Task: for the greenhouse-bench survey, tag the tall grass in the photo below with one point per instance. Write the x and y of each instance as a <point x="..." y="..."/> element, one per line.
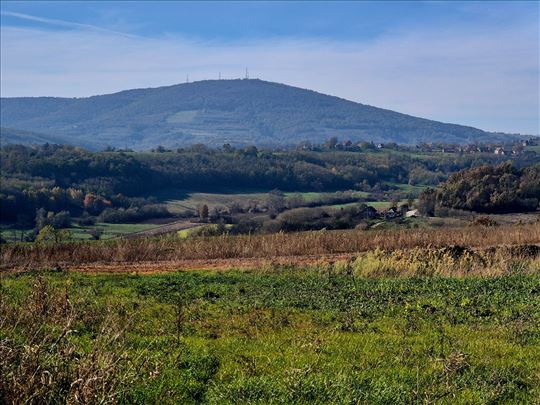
<point x="40" y="362"/>
<point x="454" y="261"/>
<point x="163" y="249"/>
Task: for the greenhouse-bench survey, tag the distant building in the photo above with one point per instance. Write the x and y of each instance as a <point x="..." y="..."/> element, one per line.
<point x="391" y="213"/>
<point x="499" y="151"/>
<point x="412" y="214"/>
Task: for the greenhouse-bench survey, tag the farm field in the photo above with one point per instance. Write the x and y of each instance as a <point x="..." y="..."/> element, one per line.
<point x="413" y="315"/>
<point x="79" y="233"/>
<point x="412" y="189"/>
<point x="320" y="334"/>
<point x="181" y="200"/>
<point x="109" y="230"/>
<point x="180" y="251"/>
<point x="378" y="205"/>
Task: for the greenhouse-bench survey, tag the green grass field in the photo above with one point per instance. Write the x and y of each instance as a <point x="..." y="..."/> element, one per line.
<point x="408" y="188"/>
<point x="311" y="196"/>
<point x="380" y="205"/>
<point x="109" y="230"/>
<point x="82" y="232"/>
<point x="181" y="200"/>
<point x="277" y="335"/>
<point x="535" y="148"/>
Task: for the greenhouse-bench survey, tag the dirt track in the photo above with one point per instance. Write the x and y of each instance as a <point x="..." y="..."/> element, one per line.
<point x="164" y="229"/>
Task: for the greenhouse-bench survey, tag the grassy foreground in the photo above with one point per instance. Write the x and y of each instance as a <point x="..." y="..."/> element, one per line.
<point x="275" y="335"/>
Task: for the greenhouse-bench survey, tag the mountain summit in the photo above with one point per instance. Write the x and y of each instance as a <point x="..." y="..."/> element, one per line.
<point x="215" y="112"/>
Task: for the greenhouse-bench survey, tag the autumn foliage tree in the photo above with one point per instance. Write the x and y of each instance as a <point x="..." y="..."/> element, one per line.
<point x="489" y="189"/>
<point x="95" y="204"/>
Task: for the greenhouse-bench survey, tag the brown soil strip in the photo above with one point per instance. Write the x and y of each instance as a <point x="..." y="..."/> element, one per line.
<point x="194" y="264"/>
<point x="163" y="229"/>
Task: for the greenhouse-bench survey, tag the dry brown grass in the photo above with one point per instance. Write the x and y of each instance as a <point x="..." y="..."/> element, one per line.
<point x="452" y="261"/>
<point x="320" y="243"/>
<point x="40" y="364"/>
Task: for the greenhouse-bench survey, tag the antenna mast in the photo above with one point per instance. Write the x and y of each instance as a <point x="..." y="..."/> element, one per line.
<point x="247" y="74"/>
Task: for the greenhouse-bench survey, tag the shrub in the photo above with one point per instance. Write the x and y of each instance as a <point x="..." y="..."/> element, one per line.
<point x="49" y="234"/>
<point x="484" y="221"/>
<point x="61" y="219"/>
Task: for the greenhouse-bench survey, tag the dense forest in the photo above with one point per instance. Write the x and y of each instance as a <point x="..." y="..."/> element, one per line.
<point x="67" y="179"/>
<point x="487" y="189"/>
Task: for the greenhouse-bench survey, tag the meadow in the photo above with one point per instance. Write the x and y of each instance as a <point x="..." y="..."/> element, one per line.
<point x="279" y="334"/>
<point x="178" y="201"/>
<point x="81" y="233"/>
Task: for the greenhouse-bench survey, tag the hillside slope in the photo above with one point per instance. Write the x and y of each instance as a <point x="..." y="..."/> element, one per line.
<point x="221" y="111"/>
<point x="21" y="137"/>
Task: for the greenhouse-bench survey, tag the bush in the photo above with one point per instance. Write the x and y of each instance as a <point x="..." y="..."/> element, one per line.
<point x="484" y="221"/>
<point x="49" y="234"/>
<point x="61" y="220"/>
<point x="210" y="230"/>
<point x="427" y="201"/>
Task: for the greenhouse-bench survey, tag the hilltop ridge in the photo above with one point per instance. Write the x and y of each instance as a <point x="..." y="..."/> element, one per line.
<point x="214" y="112"/>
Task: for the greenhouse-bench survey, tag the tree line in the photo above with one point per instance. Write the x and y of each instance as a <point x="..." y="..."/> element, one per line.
<point x="60" y="178"/>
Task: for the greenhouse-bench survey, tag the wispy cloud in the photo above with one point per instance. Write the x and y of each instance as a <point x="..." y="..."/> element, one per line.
<point x="65" y="24"/>
<point x="483" y="78"/>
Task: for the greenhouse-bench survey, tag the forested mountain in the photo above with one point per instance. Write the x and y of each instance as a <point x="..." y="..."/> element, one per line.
<point x="215" y="112"/>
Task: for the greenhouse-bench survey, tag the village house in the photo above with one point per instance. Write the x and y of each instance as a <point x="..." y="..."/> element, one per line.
<point x="412" y="214"/>
<point x="448" y="149"/>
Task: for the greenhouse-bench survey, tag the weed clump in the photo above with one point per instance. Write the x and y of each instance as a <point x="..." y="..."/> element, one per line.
<point x="446" y="261"/>
<point x="40" y="360"/>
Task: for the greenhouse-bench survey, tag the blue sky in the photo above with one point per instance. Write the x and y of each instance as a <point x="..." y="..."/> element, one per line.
<point x="474" y="63"/>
